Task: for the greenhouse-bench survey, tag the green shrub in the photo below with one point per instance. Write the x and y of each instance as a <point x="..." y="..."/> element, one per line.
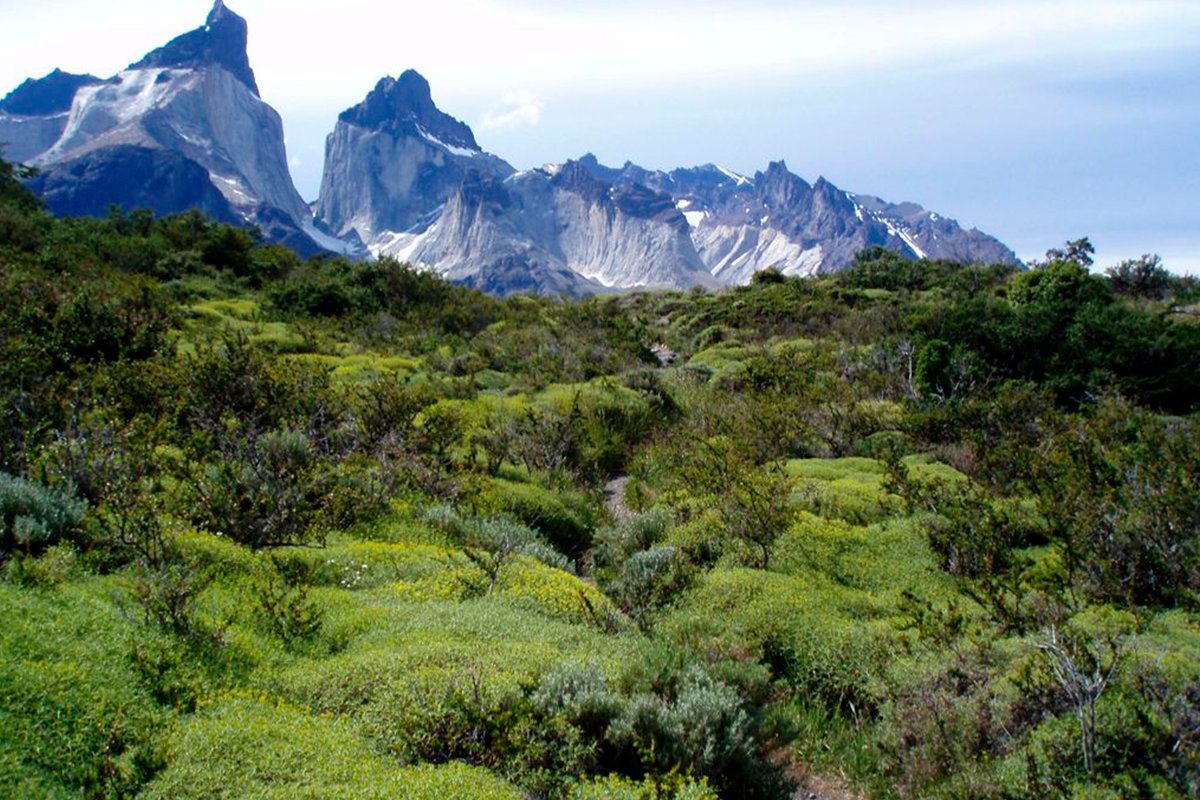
<point x="648" y="580"/>
<point x="616" y="787"/>
<point x="491" y="542"/>
<point x="285" y="604"/>
<point x="269" y="495"/>
<point x="261" y="749"/>
<point x="34" y="517"/>
<point x="616" y="543"/>
<point x="831" y="644"/>
<point x="563" y="518"/>
<point x="663" y="717"/>
<point x="59" y="564"/>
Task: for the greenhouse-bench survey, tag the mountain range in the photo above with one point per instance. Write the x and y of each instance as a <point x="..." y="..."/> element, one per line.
<point x="185" y="127"/>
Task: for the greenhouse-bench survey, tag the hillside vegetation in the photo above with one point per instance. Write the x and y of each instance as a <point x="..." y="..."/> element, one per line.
<point x="284" y="529"/>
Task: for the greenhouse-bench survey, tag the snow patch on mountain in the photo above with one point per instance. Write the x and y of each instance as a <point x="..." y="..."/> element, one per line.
<point x="740" y="180"/>
<point x="449" y="148"/>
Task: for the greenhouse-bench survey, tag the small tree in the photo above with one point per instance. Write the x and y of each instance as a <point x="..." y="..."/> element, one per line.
<point x="11" y="189"/>
<point x="270" y="494"/>
<point x="1140" y="277"/>
<point x="1081" y="251"/>
<point x="753" y="501"/>
<point x="1083" y="666"/>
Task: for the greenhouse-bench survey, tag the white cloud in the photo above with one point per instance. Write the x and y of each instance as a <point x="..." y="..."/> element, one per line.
<point x="518" y="109"/>
<point x="552" y="46"/>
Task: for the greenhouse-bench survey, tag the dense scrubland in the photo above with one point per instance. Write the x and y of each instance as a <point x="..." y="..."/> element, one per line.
<point x="284" y="529"/>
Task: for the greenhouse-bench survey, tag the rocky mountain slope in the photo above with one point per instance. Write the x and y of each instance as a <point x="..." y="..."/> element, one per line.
<point x="412" y="182"/>
<point x="184" y="127"/>
<point x="393" y="161"/>
<point x="742" y="225"/>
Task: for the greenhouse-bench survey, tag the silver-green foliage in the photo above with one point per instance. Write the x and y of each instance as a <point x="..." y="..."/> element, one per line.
<point x="683" y="721"/>
<point x="34" y="516"/>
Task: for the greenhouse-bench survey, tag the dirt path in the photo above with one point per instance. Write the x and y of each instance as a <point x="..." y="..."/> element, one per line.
<point x="814" y="787"/>
<point x="811" y="786"/>
<point x="614" y="499"/>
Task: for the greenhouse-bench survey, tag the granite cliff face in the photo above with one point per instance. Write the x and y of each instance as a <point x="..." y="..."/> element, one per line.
<point x="393" y="161"/>
<point x="413" y="183"/>
<point x="742" y="225"/>
<point x="569" y="232"/>
<point x="182" y="128"/>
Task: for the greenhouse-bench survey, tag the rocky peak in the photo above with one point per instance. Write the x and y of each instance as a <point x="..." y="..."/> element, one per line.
<point x="221" y="41"/>
<point x="401" y="104"/>
<point x="49" y="95"/>
<point x="574" y="176"/>
<point x="779" y="188"/>
<point x="592" y="164"/>
<point x="831" y="194"/>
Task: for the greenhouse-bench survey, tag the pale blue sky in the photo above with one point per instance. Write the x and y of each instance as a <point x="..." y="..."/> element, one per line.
<point x="1035" y="121"/>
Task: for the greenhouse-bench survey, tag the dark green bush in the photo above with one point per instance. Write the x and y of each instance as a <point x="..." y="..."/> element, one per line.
<point x="271" y="494"/>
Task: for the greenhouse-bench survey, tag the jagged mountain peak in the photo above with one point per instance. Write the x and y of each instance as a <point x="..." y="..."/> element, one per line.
<point x="218" y="11"/>
<point x="576" y="177"/>
<point x="396" y="103"/>
<point x="394" y="161"/>
<point x="184" y="127"/>
<point x="779" y="187"/>
<point x="825" y="188"/>
<point x="220" y="41"/>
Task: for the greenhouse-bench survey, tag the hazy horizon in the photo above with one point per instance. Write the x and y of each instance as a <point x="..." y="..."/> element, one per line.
<point x="1036" y="122"/>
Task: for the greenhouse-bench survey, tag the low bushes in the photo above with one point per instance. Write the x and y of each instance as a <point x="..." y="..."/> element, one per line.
<point x="254" y="747"/>
<point x="34" y="516"/>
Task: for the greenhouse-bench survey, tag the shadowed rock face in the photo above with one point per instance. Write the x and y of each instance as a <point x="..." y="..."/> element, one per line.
<point x="34" y="115"/>
<point x="49" y="95"/>
<point x="221" y="41"/>
<point x="131" y="177"/>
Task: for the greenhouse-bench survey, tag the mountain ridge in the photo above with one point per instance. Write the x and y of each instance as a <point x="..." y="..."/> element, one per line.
<point x="186" y="127"/>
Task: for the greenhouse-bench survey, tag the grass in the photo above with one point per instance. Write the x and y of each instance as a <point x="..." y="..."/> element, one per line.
<point x="74" y="718"/>
<point x="361" y="367"/>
